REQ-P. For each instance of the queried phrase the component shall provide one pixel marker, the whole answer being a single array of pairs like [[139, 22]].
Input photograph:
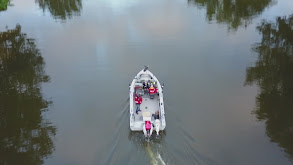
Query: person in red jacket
[[152, 91], [138, 101]]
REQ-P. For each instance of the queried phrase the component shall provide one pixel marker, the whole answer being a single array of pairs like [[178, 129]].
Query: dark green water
[[227, 66]]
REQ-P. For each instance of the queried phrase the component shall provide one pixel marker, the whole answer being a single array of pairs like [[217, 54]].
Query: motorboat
[[146, 104]]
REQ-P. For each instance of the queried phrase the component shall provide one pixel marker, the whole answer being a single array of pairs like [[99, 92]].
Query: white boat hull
[[150, 104]]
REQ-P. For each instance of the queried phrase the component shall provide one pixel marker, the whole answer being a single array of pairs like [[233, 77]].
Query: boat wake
[[137, 143], [155, 159]]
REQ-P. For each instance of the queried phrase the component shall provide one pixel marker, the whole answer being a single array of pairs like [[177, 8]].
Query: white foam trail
[[161, 160], [153, 159]]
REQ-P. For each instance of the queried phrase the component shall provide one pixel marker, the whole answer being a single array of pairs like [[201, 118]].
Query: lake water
[[227, 66]]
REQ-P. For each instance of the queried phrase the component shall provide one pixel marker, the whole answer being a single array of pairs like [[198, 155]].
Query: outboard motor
[[147, 129], [157, 126]]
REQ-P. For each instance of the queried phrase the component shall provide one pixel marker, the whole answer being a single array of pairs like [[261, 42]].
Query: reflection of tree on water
[[232, 12], [25, 136], [61, 9], [4, 4], [273, 73]]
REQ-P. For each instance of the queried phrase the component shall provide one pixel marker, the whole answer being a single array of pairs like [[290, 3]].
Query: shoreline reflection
[[273, 74], [26, 136], [233, 13], [61, 9]]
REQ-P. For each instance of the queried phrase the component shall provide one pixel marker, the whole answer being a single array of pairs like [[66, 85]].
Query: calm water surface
[[65, 66]]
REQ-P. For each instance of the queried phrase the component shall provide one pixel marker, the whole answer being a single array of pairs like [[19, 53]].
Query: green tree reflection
[[4, 4], [61, 9], [25, 136], [273, 73], [232, 12]]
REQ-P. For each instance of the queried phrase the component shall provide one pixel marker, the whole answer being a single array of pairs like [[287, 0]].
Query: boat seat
[[146, 116], [139, 91], [138, 84]]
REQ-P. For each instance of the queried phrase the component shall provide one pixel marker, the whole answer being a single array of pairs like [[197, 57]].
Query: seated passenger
[[152, 90], [156, 115], [138, 101], [148, 84]]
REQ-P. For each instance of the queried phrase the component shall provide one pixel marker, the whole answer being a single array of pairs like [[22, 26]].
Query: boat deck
[[147, 105]]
